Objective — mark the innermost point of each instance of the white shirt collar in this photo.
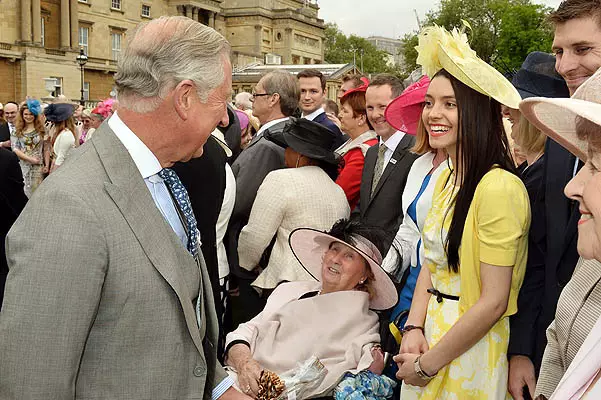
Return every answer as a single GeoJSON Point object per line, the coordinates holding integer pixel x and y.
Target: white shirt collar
{"type": "Point", "coordinates": [314, 114]}
{"type": "Point", "coordinates": [394, 140]}
{"type": "Point", "coordinates": [269, 124]}
{"type": "Point", "coordinates": [144, 159]}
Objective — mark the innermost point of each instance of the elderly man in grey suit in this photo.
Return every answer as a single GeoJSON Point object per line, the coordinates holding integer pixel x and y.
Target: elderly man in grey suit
{"type": "Point", "coordinates": [107, 295]}
{"type": "Point", "coordinates": [275, 98]}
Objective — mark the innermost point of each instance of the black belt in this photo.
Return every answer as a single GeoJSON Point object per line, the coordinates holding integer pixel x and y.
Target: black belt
{"type": "Point", "coordinates": [440, 295]}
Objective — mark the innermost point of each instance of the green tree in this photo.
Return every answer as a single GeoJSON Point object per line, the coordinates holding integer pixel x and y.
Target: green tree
{"type": "Point", "coordinates": [340, 49]}
{"type": "Point", "coordinates": [503, 31]}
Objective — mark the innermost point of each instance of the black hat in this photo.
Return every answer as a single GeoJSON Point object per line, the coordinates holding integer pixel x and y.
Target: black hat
{"type": "Point", "coordinates": [307, 138]}
{"type": "Point", "coordinates": [58, 112]}
{"type": "Point", "coordinates": [537, 77]}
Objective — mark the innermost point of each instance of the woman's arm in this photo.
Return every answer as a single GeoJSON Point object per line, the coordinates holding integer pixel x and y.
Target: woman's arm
{"type": "Point", "coordinates": [414, 342]}
{"type": "Point", "coordinates": [26, 158]}
{"type": "Point", "coordinates": [265, 218]}
{"type": "Point", "coordinates": [248, 370]}
{"type": "Point", "coordinates": [476, 322]}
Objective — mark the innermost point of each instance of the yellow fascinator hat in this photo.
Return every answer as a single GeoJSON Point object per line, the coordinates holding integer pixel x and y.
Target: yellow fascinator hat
{"type": "Point", "coordinates": [440, 49]}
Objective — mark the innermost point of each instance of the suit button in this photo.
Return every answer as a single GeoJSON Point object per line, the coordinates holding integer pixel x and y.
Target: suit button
{"type": "Point", "coordinates": [199, 371]}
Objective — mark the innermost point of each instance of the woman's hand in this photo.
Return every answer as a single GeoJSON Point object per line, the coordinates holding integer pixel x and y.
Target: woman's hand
{"type": "Point", "coordinates": [248, 377]}
{"type": "Point", "coordinates": [377, 366]}
{"type": "Point", "coordinates": [334, 119]}
{"type": "Point", "coordinates": [35, 160]}
{"type": "Point", "coordinates": [414, 342]}
{"type": "Point", "coordinates": [406, 371]}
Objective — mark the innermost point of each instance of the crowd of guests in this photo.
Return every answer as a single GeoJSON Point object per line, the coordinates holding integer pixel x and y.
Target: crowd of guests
{"type": "Point", "coordinates": [404, 235]}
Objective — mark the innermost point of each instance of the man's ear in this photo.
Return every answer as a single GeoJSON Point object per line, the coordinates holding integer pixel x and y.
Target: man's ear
{"type": "Point", "coordinates": [184, 96]}
{"type": "Point", "coordinates": [274, 99]}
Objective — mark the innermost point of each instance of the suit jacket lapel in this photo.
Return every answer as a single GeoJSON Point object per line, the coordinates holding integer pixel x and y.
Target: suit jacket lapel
{"type": "Point", "coordinates": [399, 153]}
{"type": "Point", "coordinates": [154, 234]}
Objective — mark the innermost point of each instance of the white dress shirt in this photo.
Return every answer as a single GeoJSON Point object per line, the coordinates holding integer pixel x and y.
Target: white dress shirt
{"type": "Point", "coordinates": [149, 167]}
{"type": "Point", "coordinates": [391, 145]}
{"type": "Point", "coordinates": [269, 124]}
{"type": "Point", "coordinates": [314, 114]}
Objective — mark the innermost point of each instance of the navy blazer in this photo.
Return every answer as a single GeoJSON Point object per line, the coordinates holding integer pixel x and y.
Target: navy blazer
{"type": "Point", "coordinates": [546, 274]}
{"type": "Point", "coordinates": [325, 121]}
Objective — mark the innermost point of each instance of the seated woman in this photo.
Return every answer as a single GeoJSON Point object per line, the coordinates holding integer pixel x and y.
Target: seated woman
{"type": "Point", "coordinates": [354, 122]}
{"type": "Point", "coordinates": [302, 194]}
{"type": "Point", "coordinates": [572, 360]}
{"type": "Point", "coordinates": [329, 317]}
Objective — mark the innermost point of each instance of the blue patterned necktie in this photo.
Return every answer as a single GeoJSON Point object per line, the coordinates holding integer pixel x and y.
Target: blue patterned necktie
{"type": "Point", "coordinates": [183, 202]}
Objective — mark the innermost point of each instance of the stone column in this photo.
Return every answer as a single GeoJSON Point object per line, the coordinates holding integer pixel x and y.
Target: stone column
{"type": "Point", "coordinates": [74, 24]}
{"type": "Point", "coordinates": [26, 21]}
{"type": "Point", "coordinates": [195, 13]}
{"type": "Point", "coordinates": [36, 16]}
{"type": "Point", "coordinates": [258, 39]}
{"type": "Point", "coordinates": [65, 25]}
{"type": "Point", "coordinates": [189, 9]}
{"type": "Point", "coordinates": [212, 19]}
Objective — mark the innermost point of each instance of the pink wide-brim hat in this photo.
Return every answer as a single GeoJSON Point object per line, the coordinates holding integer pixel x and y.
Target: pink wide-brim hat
{"type": "Point", "coordinates": [404, 112]}
{"type": "Point", "coordinates": [557, 118]}
{"type": "Point", "coordinates": [243, 118]}
{"type": "Point", "coordinates": [309, 246]}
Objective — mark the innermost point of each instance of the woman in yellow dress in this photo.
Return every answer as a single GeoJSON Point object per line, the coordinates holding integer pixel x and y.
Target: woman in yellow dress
{"type": "Point", "coordinates": [455, 341]}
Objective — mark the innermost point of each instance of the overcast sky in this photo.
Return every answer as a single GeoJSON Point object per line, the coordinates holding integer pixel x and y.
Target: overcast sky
{"type": "Point", "coordinates": [390, 18]}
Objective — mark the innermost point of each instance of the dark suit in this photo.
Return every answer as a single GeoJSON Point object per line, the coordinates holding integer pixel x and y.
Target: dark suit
{"type": "Point", "coordinates": [204, 179]}
{"type": "Point", "coordinates": [250, 169]}
{"type": "Point", "coordinates": [12, 201]}
{"type": "Point", "coordinates": [4, 132]}
{"type": "Point", "coordinates": [545, 280]}
{"type": "Point", "coordinates": [384, 209]}
{"type": "Point", "coordinates": [325, 121]}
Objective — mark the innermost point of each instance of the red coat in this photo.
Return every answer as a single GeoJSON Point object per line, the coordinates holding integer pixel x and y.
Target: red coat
{"type": "Point", "coordinates": [349, 178]}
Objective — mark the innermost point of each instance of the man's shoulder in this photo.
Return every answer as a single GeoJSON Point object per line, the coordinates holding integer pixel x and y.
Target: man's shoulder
{"type": "Point", "coordinates": [7, 157]}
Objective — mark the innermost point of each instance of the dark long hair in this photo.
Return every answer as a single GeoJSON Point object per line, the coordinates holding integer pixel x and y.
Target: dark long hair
{"type": "Point", "coordinates": [481, 145]}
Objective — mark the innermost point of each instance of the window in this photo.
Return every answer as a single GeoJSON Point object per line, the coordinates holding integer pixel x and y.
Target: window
{"type": "Point", "coordinates": [43, 30]}
{"type": "Point", "coordinates": [116, 4]}
{"type": "Point", "coordinates": [116, 45]}
{"type": "Point", "coordinates": [86, 91]}
{"type": "Point", "coordinates": [145, 10]}
{"type": "Point", "coordinates": [84, 32]}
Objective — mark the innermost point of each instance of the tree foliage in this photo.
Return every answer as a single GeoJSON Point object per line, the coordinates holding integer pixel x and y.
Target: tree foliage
{"type": "Point", "coordinates": [503, 31]}
{"type": "Point", "coordinates": [339, 49]}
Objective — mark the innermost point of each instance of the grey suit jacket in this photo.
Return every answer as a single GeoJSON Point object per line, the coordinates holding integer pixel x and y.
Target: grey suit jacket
{"type": "Point", "coordinates": [101, 295]}
{"type": "Point", "coordinates": [578, 309]}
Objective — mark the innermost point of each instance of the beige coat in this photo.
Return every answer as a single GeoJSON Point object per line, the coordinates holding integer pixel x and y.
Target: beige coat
{"type": "Point", "coordinates": [288, 199]}
{"type": "Point", "coordinates": [337, 327]}
{"type": "Point", "coordinates": [578, 309]}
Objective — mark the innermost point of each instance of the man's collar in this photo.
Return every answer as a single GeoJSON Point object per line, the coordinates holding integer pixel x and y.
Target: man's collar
{"type": "Point", "coordinates": [269, 124]}
{"type": "Point", "coordinates": [394, 140]}
{"type": "Point", "coordinates": [314, 114]}
{"type": "Point", "coordinates": [144, 159]}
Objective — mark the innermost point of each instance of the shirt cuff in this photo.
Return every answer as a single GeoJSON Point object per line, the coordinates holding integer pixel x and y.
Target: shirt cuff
{"type": "Point", "coordinates": [220, 389]}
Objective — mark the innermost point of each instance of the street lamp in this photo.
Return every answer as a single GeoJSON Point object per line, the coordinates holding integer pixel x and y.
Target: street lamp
{"type": "Point", "coordinates": [82, 59]}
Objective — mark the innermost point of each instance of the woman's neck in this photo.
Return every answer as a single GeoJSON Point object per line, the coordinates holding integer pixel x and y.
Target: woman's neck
{"type": "Point", "coordinates": [29, 127]}
{"type": "Point", "coordinates": [358, 131]}
{"type": "Point", "coordinates": [456, 167]}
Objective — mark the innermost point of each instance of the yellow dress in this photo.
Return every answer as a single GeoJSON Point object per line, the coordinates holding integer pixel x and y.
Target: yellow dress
{"type": "Point", "coordinates": [481, 372]}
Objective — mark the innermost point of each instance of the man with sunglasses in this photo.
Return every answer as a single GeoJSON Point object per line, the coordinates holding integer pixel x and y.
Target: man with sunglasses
{"type": "Point", "coordinates": [274, 99]}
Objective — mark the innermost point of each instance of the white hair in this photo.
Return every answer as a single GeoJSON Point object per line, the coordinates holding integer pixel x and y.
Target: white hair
{"type": "Point", "coordinates": [162, 53]}
{"type": "Point", "coordinates": [242, 101]}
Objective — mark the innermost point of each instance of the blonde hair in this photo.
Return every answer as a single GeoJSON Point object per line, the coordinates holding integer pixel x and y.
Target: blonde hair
{"type": "Point", "coordinates": [530, 139]}
{"type": "Point", "coordinates": [38, 124]}
{"type": "Point", "coordinates": [422, 140]}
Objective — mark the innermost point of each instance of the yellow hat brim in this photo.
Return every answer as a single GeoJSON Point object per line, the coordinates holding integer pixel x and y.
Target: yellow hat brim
{"type": "Point", "coordinates": [481, 77]}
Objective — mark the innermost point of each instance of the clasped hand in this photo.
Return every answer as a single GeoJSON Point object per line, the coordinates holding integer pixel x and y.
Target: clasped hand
{"type": "Point", "coordinates": [413, 344]}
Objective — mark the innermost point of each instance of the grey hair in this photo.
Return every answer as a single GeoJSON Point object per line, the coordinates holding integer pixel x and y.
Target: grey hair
{"type": "Point", "coordinates": [165, 51]}
{"type": "Point", "coordinates": [242, 101]}
{"type": "Point", "coordinates": [286, 85]}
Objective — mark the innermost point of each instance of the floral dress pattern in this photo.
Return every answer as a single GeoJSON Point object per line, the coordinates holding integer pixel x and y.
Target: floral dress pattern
{"type": "Point", "coordinates": [32, 144]}
{"type": "Point", "coordinates": [481, 372]}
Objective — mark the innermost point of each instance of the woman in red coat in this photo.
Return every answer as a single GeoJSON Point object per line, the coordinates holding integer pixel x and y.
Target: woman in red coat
{"type": "Point", "coordinates": [354, 123]}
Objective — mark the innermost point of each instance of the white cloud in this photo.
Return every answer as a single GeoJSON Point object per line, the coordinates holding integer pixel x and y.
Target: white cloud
{"type": "Point", "coordinates": [390, 18]}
